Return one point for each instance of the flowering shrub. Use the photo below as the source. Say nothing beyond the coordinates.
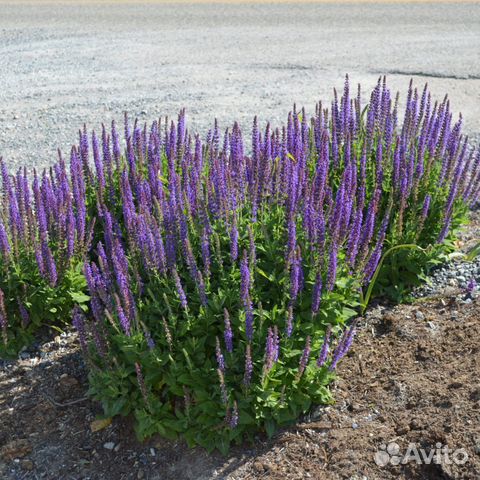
(223, 283)
(44, 236)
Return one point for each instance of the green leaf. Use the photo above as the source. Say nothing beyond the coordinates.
(79, 297)
(270, 427)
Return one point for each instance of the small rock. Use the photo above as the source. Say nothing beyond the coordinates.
(109, 445)
(455, 385)
(355, 407)
(415, 425)
(27, 465)
(67, 381)
(267, 466)
(354, 425)
(475, 395)
(402, 429)
(419, 315)
(140, 474)
(317, 412)
(15, 449)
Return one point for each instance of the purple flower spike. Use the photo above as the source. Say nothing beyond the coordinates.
(3, 317)
(180, 291)
(4, 243)
(98, 162)
(322, 358)
(233, 422)
(252, 253)
(247, 378)
(289, 328)
(276, 344)
(79, 324)
(295, 275)
(332, 267)
(270, 351)
(50, 267)
(317, 294)
(23, 313)
(234, 240)
(425, 208)
(219, 355)
(124, 321)
(141, 383)
(228, 334)
(343, 346)
(206, 252)
(248, 319)
(304, 358)
(244, 278)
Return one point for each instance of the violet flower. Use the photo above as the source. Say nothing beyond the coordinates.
(304, 358)
(247, 378)
(322, 358)
(228, 334)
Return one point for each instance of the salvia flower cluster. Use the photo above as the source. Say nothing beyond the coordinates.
(242, 269)
(44, 237)
(222, 272)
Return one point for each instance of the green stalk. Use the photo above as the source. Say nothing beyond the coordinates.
(473, 253)
(366, 297)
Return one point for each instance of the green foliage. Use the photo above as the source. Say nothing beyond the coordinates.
(406, 268)
(183, 390)
(362, 209)
(25, 290)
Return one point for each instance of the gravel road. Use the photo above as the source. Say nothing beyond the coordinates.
(65, 64)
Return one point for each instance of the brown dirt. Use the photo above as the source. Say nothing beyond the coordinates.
(412, 377)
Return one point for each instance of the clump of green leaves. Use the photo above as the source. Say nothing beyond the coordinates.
(44, 238)
(168, 372)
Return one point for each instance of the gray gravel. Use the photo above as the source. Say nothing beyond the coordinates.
(62, 65)
(464, 276)
(459, 276)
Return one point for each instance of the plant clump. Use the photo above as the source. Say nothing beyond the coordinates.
(223, 286)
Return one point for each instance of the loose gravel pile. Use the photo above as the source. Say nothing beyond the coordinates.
(458, 275)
